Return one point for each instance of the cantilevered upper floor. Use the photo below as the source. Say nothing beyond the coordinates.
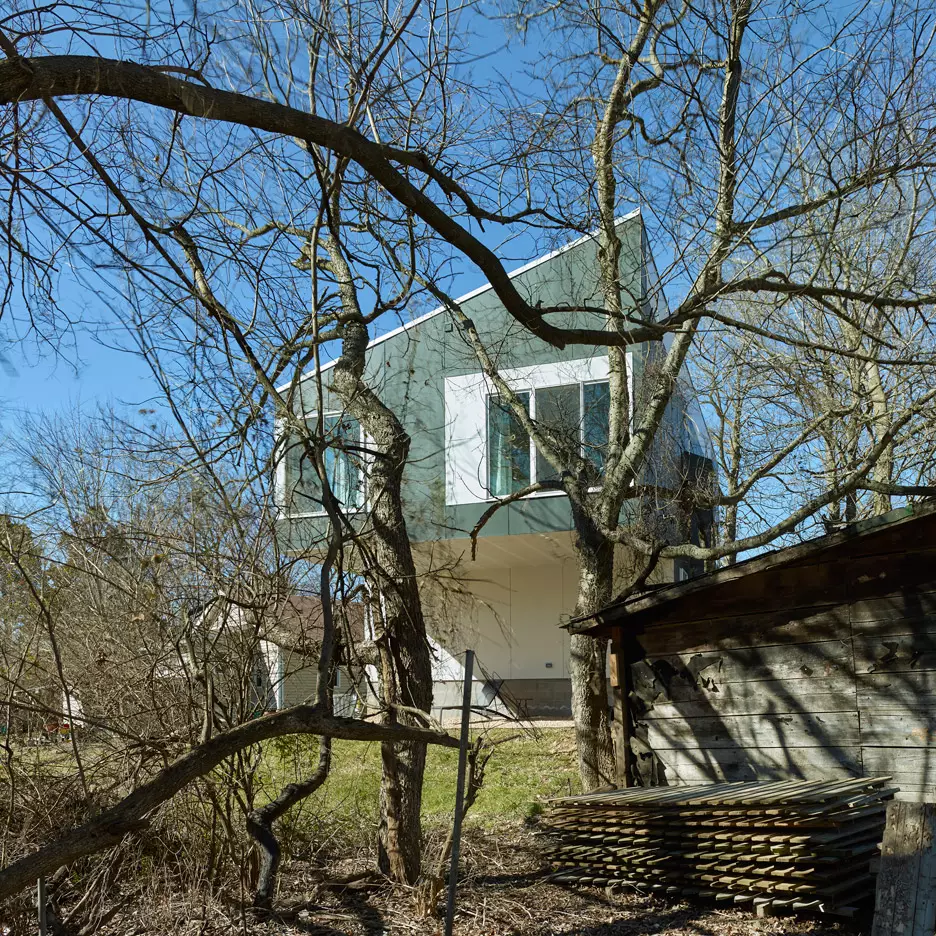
(468, 450)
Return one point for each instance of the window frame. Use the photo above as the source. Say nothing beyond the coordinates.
(533, 390)
(362, 439)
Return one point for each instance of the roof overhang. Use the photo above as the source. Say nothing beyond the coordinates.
(637, 611)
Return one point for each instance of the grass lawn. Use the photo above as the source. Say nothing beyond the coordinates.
(523, 772)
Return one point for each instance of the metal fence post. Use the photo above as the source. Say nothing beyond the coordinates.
(459, 792)
(41, 907)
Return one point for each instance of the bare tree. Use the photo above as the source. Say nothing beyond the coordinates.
(222, 232)
(738, 141)
(763, 199)
(140, 573)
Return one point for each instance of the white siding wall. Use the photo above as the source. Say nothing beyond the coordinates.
(511, 620)
(300, 683)
(300, 679)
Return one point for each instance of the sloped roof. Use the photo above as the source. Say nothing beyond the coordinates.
(485, 287)
(296, 623)
(906, 528)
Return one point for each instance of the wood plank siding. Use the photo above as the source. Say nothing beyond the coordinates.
(820, 667)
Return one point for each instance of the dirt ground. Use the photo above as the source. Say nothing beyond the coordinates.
(502, 891)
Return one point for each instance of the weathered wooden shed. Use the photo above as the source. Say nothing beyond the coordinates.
(816, 661)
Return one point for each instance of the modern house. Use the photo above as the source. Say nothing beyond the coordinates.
(813, 662)
(468, 451)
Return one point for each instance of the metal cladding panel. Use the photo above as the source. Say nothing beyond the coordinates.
(407, 371)
(465, 516)
(538, 515)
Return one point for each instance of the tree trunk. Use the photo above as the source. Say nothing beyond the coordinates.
(587, 664)
(880, 411)
(260, 825)
(590, 711)
(406, 669)
(406, 677)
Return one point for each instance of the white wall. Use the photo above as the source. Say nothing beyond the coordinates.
(511, 620)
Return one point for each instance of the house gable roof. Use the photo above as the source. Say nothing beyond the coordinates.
(480, 290)
(295, 623)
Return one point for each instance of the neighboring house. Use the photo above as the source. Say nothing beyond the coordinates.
(288, 667)
(468, 451)
(817, 661)
(285, 643)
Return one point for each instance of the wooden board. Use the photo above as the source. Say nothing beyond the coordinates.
(911, 794)
(919, 533)
(896, 693)
(764, 628)
(898, 653)
(882, 612)
(799, 588)
(762, 764)
(905, 571)
(739, 732)
(758, 697)
(913, 729)
(822, 660)
(909, 767)
(924, 920)
(903, 907)
(805, 842)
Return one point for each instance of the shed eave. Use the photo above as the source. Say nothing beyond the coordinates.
(615, 614)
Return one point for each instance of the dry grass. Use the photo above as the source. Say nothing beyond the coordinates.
(501, 890)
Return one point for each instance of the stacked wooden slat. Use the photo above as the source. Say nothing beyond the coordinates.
(793, 844)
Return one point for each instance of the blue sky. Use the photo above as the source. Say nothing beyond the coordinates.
(57, 383)
(87, 371)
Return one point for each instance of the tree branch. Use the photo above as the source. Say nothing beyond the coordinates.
(53, 76)
(130, 814)
(503, 502)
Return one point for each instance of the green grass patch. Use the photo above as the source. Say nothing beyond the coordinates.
(521, 775)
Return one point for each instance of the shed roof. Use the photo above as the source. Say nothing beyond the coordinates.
(726, 592)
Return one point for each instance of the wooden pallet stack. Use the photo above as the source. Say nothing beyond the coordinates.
(787, 844)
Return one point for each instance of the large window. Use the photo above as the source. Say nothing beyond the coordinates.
(577, 413)
(343, 467)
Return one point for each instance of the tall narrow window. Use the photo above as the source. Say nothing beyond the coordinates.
(508, 448)
(596, 412)
(342, 464)
(559, 410)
